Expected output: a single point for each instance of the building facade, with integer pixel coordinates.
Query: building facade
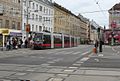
(61, 19)
(38, 14)
(68, 23)
(112, 35)
(114, 16)
(10, 19)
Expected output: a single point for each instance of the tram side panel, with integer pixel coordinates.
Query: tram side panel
(72, 41)
(46, 41)
(37, 41)
(66, 41)
(57, 40)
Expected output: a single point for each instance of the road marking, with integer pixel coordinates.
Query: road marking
(85, 53)
(76, 64)
(97, 60)
(73, 67)
(68, 70)
(76, 53)
(101, 55)
(84, 59)
(55, 79)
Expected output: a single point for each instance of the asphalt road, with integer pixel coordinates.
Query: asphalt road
(66, 64)
(109, 58)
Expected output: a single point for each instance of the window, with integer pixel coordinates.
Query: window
(24, 26)
(0, 23)
(36, 17)
(18, 26)
(36, 27)
(44, 9)
(40, 18)
(13, 25)
(32, 16)
(7, 24)
(40, 8)
(33, 6)
(36, 6)
(32, 27)
(30, 4)
(40, 28)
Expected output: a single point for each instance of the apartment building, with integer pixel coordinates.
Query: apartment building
(10, 19)
(114, 16)
(61, 19)
(84, 29)
(38, 14)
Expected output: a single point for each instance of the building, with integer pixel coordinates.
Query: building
(112, 34)
(10, 20)
(68, 23)
(114, 16)
(61, 19)
(94, 34)
(38, 15)
(84, 29)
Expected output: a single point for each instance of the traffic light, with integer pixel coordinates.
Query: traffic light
(98, 30)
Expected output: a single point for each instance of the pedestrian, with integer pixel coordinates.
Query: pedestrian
(8, 45)
(26, 43)
(100, 46)
(96, 46)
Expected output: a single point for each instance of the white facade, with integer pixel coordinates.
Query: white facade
(40, 15)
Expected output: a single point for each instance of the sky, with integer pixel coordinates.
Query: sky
(85, 7)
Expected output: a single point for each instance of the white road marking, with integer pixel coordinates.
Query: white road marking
(76, 53)
(101, 55)
(97, 60)
(85, 53)
(84, 59)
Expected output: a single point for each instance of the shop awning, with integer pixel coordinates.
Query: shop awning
(15, 34)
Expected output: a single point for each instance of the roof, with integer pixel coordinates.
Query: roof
(115, 7)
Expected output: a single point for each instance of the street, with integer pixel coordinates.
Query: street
(64, 64)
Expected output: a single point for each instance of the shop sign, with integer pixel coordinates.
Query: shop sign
(4, 32)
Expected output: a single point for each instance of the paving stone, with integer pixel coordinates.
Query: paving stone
(55, 70)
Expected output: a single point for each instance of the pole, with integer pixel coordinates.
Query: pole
(112, 40)
(27, 18)
(3, 41)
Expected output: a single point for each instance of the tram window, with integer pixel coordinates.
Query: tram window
(47, 39)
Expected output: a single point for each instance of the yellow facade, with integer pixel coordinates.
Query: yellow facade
(61, 20)
(68, 23)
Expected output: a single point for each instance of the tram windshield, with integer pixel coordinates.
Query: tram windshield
(38, 37)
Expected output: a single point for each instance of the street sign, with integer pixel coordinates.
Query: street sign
(28, 28)
(113, 24)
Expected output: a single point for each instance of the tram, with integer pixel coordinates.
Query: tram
(43, 40)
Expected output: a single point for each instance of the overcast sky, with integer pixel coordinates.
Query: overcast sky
(86, 6)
